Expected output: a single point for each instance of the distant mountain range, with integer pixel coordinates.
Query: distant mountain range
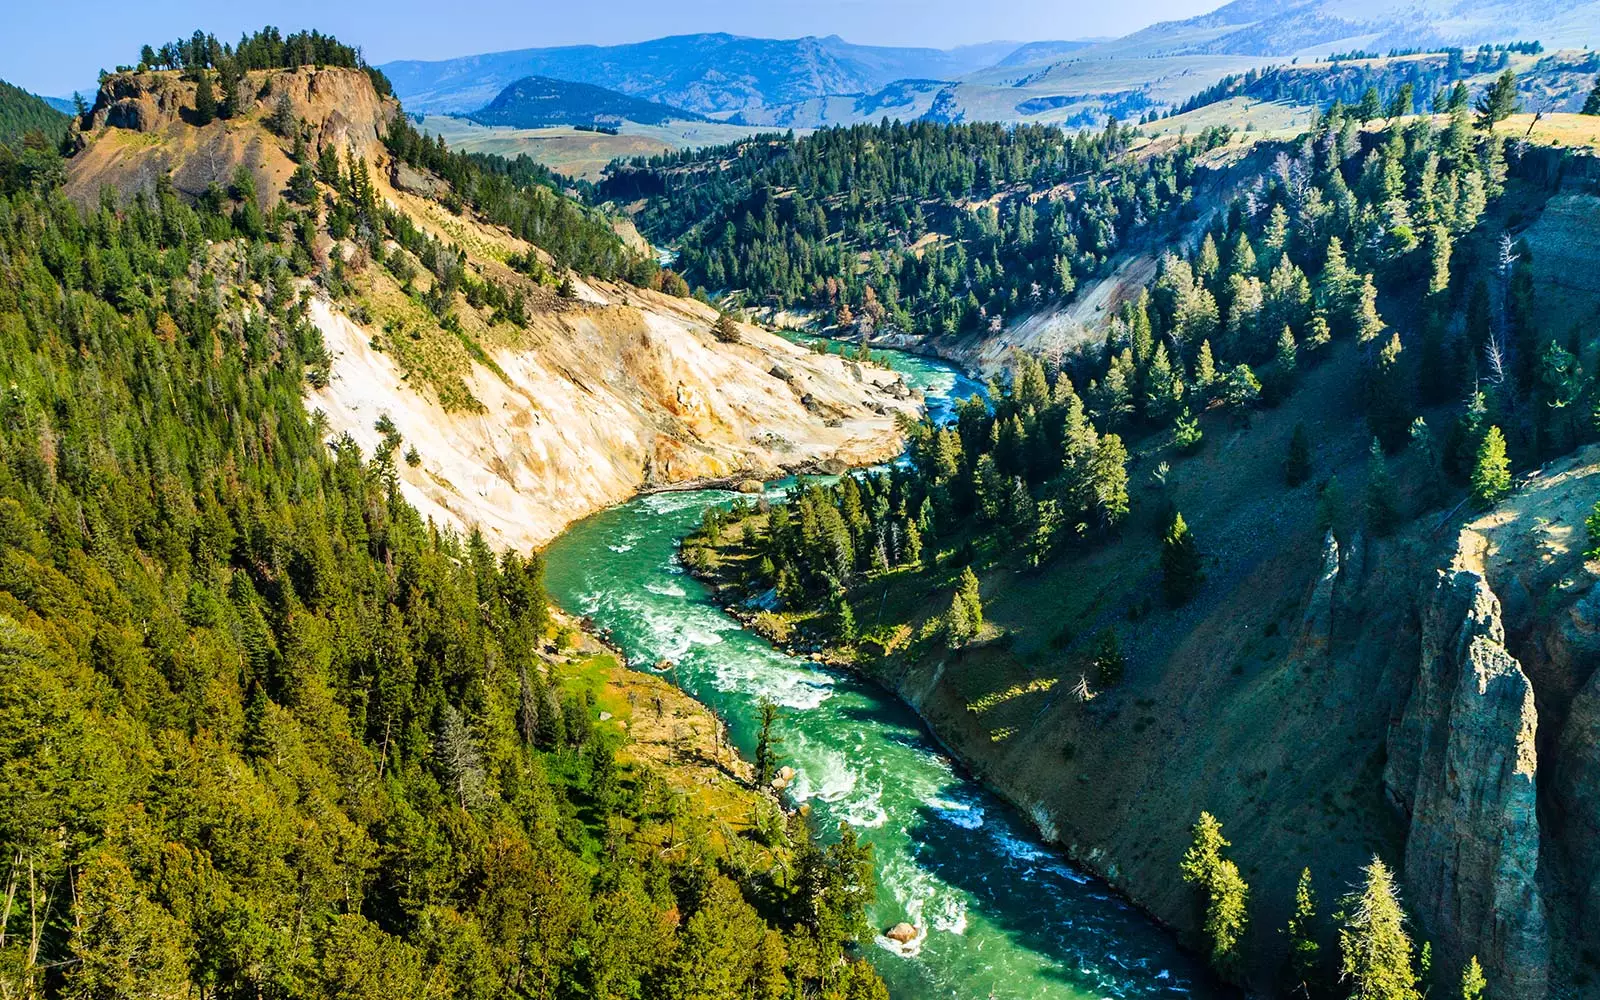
(811, 82)
(706, 73)
(1311, 27)
(538, 101)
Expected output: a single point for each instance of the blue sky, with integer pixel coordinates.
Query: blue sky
(54, 48)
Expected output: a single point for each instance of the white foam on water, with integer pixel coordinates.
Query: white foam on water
(673, 502)
(951, 916)
(866, 811)
(666, 589)
(761, 673)
(1016, 848)
(822, 775)
(620, 548)
(966, 815)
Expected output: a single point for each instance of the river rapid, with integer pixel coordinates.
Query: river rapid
(998, 914)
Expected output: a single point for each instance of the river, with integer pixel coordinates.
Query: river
(998, 913)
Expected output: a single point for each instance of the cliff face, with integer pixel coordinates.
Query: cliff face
(141, 127)
(1501, 860)
(1462, 767)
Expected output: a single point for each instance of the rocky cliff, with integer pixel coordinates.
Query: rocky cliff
(142, 127)
(1492, 762)
(1462, 767)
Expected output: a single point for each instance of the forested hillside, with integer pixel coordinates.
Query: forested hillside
(22, 112)
(923, 228)
(263, 729)
(1111, 569)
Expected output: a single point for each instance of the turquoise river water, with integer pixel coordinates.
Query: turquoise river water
(998, 914)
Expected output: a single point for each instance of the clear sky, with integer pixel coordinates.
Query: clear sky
(53, 48)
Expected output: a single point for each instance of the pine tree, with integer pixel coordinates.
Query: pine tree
(1591, 527)
(1297, 464)
(1304, 951)
(1205, 371)
(1109, 664)
(1499, 102)
(767, 743)
(1371, 105)
(205, 102)
(1591, 106)
(1374, 947)
(844, 619)
(1382, 509)
(1224, 893)
(1491, 473)
(725, 329)
(281, 121)
(1186, 433)
(967, 593)
(1390, 396)
(1472, 981)
(1109, 481)
(1181, 569)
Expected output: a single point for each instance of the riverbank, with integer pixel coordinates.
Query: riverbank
(992, 908)
(792, 634)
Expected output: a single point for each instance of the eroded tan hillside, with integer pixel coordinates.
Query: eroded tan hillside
(515, 427)
(614, 398)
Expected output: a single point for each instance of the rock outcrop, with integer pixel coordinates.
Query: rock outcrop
(143, 127)
(1462, 767)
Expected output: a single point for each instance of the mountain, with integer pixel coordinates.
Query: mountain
(1042, 52)
(1273, 27)
(537, 101)
(707, 73)
(22, 112)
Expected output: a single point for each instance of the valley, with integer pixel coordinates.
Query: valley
(724, 517)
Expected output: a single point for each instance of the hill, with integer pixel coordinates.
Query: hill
(284, 708)
(705, 73)
(539, 101)
(22, 112)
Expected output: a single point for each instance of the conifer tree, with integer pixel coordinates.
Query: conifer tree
(1375, 950)
(1382, 510)
(1499, 102)
(1297, 464)
(1371, 105)
(967, 592)
(1109, 662)
(1491, 473)
(1181, 569)
(1225, 896)
(767, 742)
(1591, 105)
(281, 121)
(1109, 480)
(1473, 982)
(205, 101)
(1205, 371)
(725, 330)
(1304, 951)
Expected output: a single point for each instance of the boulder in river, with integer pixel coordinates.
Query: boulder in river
(750, 486)
(902, 932)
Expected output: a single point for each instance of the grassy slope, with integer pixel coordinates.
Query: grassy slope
(581, 154)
